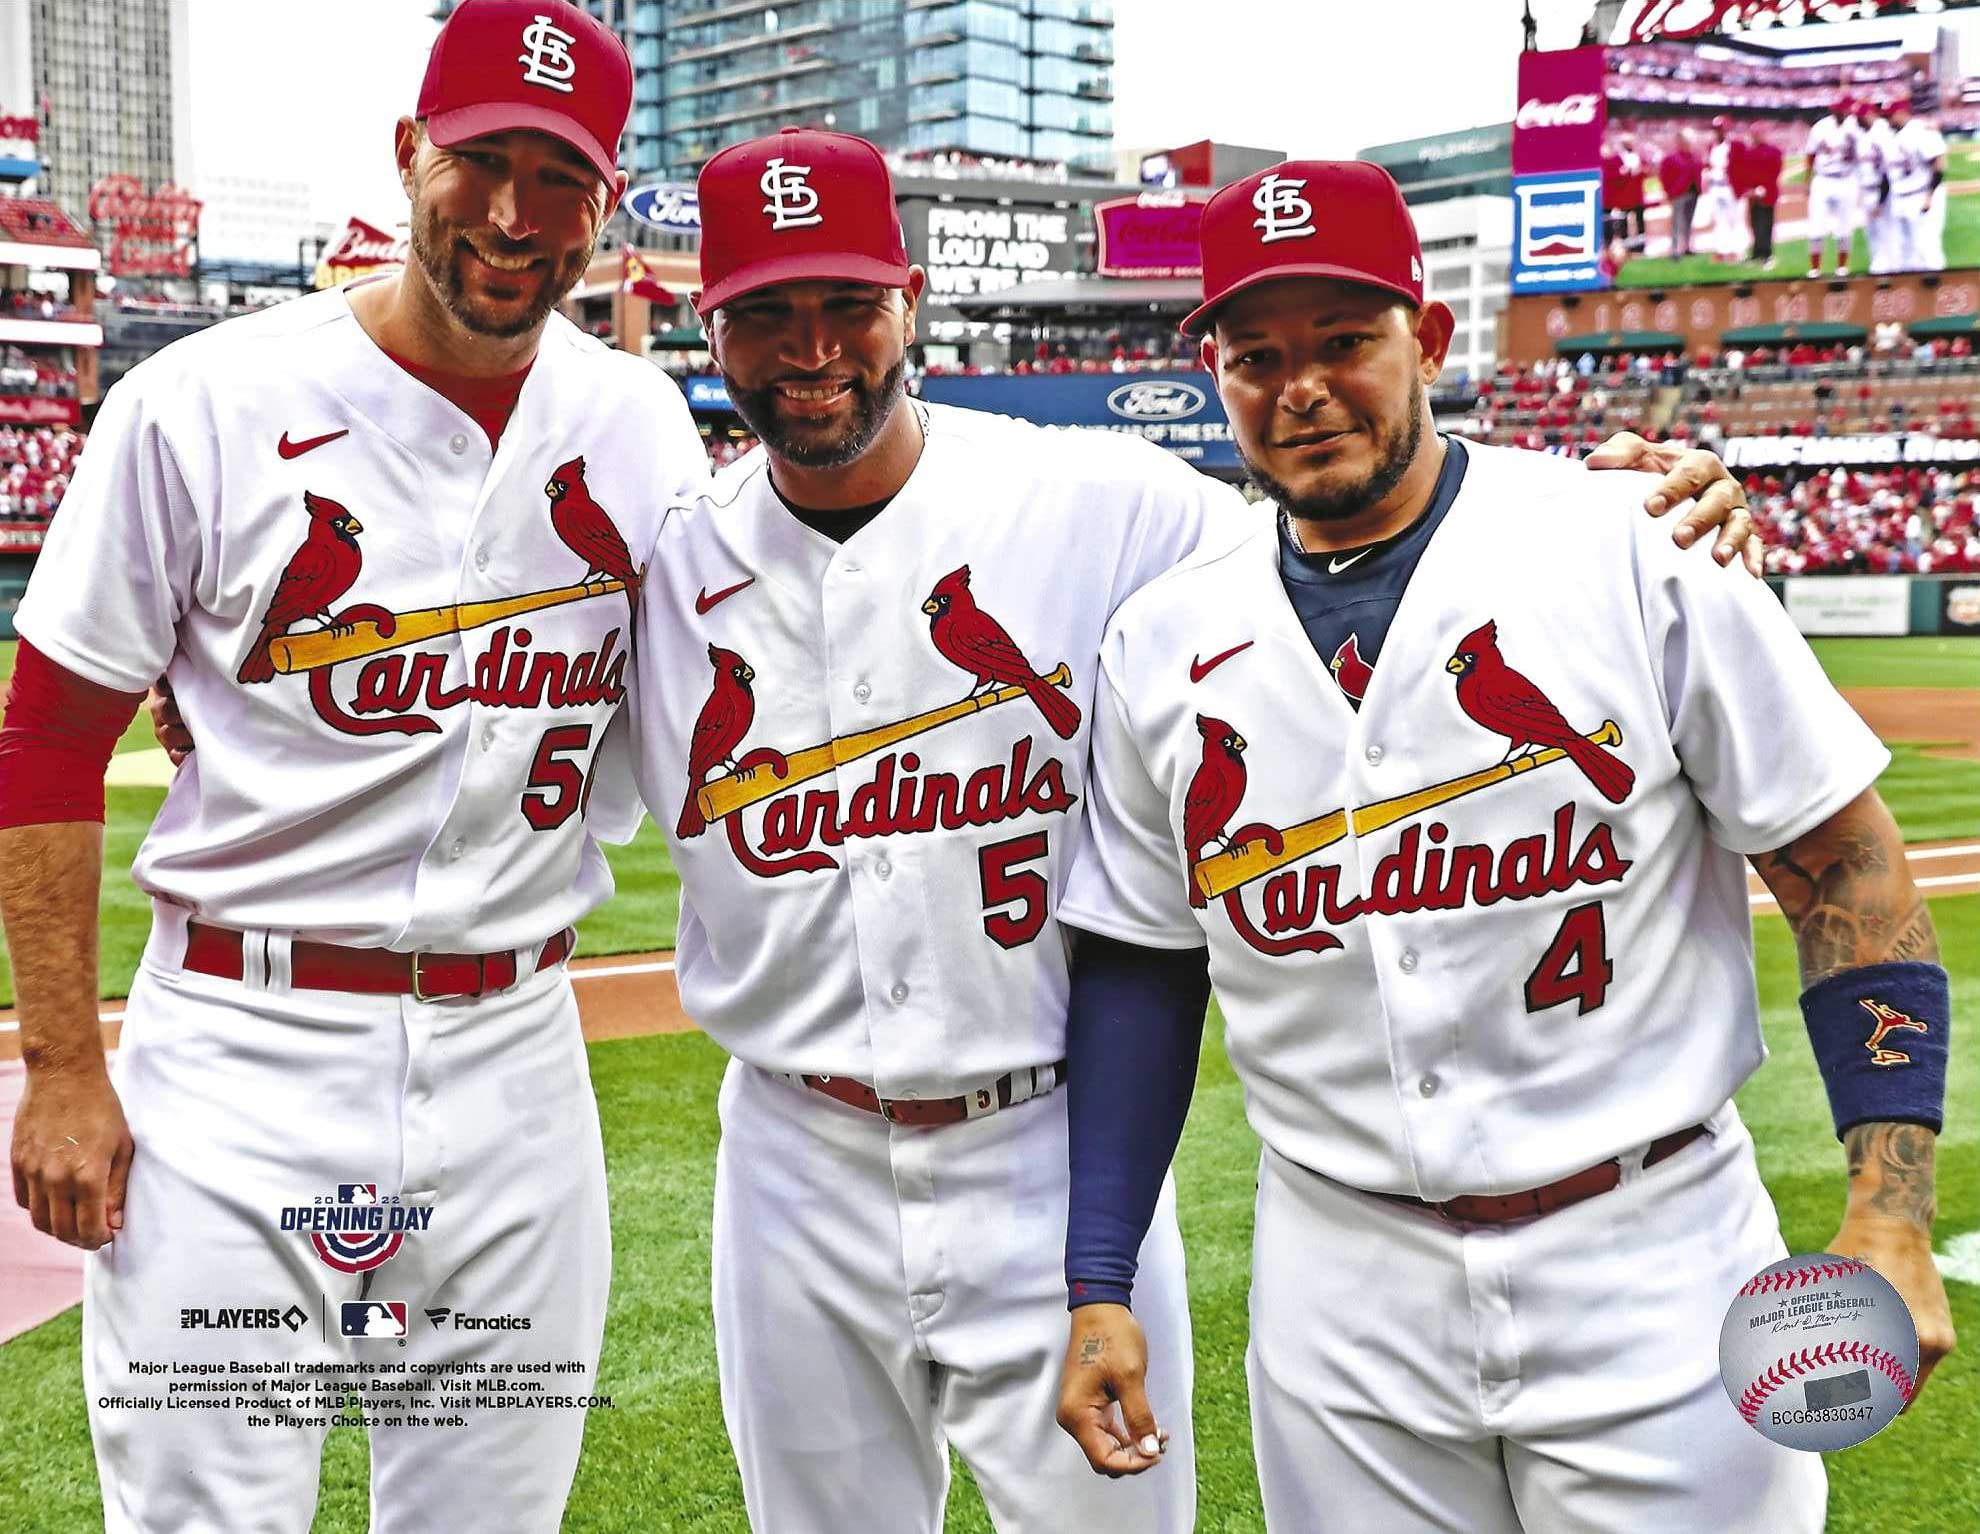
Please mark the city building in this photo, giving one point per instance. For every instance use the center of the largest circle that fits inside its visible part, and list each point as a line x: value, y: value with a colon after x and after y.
x: 1474, y: 162
x: 986, y: 79
x: 1467, y: 252
x: 111, y: 81
x: 253, y: 218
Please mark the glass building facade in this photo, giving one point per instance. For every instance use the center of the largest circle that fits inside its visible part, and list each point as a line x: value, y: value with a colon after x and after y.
x: 1000, y: 79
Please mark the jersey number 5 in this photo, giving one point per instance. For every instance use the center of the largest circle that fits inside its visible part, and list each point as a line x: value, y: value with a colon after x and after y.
x: 1575, y: 966
x: 1005, y: 884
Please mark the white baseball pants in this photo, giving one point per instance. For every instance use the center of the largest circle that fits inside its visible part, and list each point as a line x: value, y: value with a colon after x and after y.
x: 882, y: 1293
x: 1832, y: 214
x: 1559, y: 1375
x: 245, y: 1100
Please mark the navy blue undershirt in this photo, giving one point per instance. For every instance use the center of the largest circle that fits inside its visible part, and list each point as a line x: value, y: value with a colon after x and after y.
x: 1134, y: 1024
x: 1348, y: 594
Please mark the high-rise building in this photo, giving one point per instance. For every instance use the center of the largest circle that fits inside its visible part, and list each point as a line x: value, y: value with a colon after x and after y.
x: 997, y: 79
x: 112, y: 80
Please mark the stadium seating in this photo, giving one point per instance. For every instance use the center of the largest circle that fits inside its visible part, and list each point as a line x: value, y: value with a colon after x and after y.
x: 35, y: 465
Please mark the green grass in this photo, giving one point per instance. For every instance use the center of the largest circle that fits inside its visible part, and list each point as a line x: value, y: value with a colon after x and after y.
x: 660, y: 1461
x: 1791, y: 256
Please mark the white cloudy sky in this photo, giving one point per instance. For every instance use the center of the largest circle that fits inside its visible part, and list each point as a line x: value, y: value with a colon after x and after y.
x: 311, y: 88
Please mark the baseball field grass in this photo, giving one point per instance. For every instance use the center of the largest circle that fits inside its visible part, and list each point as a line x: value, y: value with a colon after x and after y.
x: 658, y: 1462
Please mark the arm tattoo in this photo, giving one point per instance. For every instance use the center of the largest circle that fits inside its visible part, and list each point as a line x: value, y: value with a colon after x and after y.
x: 1847, y: 893
x: 1894, y: 1165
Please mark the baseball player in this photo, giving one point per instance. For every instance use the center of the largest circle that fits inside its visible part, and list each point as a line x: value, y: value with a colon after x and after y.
x: 383, y: 541
x: 1718, y: 201
x: 866, y: 687
x: 1453, y: 822
x: 1916, y: 155
x: 1873, y: 172
x: 1833, y: 196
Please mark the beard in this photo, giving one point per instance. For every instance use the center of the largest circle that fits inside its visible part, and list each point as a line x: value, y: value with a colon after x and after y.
x: 1395, y: 452
x: 435, y: 246
x: 813, y: 447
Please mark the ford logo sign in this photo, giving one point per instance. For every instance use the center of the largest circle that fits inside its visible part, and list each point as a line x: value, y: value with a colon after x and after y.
x: 669, y: 205
x: 1155, y: 401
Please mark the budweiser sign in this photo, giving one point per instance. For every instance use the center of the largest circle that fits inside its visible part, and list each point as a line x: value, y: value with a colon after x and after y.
x: 360, y: 248
x: 1648, y: 20
x: 1571, y: 111
x: 152, y: 233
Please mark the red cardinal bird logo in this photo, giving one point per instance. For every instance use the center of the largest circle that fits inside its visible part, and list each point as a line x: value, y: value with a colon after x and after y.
x: 1350, y: 670
x: 1494, y: 695
x: 318, y: 574
x: 1214, y: 793
x: 588, y: 531
x: 971, y: 639
x: 718, y: 729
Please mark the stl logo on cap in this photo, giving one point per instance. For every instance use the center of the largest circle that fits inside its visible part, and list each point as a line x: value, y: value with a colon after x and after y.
x: 1282, y: 213
x: 548, y: 61
x: 793, y: 204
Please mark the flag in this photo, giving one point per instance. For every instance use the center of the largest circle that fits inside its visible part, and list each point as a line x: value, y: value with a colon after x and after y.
x: 637, y: 279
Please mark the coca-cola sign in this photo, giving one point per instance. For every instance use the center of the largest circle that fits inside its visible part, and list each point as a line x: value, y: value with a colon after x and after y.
x: 1562, y: 111
x: 1570, y: 111
x: 37, y: 410
x: 1152, y: 235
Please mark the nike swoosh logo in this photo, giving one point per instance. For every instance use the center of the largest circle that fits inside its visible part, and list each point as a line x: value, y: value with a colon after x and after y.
x: 1336, y: 566
x: 704, y: 603
x: 1200, y: 668
x: 290, y: 449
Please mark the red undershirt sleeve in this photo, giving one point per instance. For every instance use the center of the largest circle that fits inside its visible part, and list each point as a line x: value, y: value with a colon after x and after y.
x: 55, y: 742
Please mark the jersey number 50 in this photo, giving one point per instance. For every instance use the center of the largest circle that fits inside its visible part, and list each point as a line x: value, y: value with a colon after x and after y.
x: 557, y: 787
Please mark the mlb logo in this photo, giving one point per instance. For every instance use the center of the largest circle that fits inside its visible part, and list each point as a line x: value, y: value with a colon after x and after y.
x: 1557, y: 231
x: 357, y: 1192
x: 373, y: 1318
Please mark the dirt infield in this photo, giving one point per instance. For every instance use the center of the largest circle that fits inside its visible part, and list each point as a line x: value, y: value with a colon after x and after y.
x: 1937, y: 714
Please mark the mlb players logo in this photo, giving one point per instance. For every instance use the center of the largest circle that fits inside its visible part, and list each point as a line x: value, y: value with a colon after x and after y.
x: 360, y: 1229
x: 373, y: 1318
x: 1283, y: 214
x: 546, y: 56
x: 792, y: 203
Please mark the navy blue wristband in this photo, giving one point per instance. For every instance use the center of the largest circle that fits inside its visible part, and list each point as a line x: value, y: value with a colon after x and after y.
x: 1881, y: 1038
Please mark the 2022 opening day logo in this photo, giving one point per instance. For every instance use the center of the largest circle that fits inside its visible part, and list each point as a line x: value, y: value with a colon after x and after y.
x: 358, y: 1229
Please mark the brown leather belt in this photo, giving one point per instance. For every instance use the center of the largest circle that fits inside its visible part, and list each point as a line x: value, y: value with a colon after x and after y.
x: 1504, y: 1208
x: 928, y: 1112
x: 372, y: 971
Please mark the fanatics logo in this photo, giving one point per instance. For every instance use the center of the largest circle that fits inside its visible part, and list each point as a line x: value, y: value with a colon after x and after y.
x: 548, y: 61
x: 1283, y: 213
x: 793, y: 204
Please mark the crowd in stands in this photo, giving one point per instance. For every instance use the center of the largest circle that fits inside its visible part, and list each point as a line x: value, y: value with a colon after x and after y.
x: 1888, y: 521
x: 726, y: 450
x: 24, y: 304
x: 26, y: 372
x: 1111, y: 353
x: 35, y: 465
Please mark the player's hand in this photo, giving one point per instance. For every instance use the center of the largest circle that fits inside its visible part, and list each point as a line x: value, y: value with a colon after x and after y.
x: 1718, y: 501
x: 167, y: 727
x: 72, y: 1156
x: 1107, y: 1363
x: 1901, y: 1250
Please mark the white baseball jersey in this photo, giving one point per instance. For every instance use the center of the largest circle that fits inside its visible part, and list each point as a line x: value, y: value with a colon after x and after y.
x: 1442, y: 975
x: 1717, y: 170
x: 1873, y: 147
x: 415, y: 777
x: 1914, y: 149
x: 1831, y: 148
x: 870, y: 757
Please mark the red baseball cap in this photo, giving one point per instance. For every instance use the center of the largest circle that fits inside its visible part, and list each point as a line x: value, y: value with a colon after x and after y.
x: 539, y: 64
x: 1308, y: 218
x: 794, y: 205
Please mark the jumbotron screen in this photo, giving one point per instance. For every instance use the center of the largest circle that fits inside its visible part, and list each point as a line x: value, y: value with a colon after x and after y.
x: 1847, y: 149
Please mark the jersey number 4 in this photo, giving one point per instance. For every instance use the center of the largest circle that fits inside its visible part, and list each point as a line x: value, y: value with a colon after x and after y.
x: 1007, y: 885
x: 1575, y: 966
